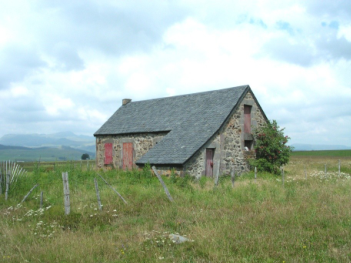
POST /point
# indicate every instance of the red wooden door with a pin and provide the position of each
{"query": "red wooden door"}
(209, 162)
(247, 120)
(108, 153)
(128, 155)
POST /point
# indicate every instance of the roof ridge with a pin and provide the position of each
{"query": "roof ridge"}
(191, 94)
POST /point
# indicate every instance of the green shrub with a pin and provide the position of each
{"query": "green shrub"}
(271, 149)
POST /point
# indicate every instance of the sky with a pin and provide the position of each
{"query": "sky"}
(67, 65)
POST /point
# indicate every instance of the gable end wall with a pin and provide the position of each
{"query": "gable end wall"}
(228, 143)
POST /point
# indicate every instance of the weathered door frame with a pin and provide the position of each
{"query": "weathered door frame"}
(127, 155)
(209, 159)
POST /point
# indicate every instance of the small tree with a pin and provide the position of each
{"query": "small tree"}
(85, 156)
(271, 149)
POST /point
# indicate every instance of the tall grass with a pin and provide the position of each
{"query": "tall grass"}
(258, 220)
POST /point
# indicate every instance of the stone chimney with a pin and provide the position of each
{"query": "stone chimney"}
(125, 101)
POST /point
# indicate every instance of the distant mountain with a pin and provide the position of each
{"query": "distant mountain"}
(51, 140)
(17, 153)
(318, 147)
(6, 147)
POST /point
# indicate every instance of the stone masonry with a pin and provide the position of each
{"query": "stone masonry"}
(142, 143)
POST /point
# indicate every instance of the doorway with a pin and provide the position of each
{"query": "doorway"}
(127, 155)
(209, 162)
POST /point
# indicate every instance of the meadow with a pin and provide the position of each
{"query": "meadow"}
(258, 220)
(326, 153)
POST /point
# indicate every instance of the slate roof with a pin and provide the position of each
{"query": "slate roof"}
(190, 119)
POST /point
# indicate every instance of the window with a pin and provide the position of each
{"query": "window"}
(248, 145)
(247, 119)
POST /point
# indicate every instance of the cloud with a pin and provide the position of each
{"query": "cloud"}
(336, 8)
(55, 33)
(66, 65)
(67, 57)
(112, 27)
(17, 63)
(333, 48)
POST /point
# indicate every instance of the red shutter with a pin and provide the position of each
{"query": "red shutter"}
(247, 120)
(128, 155)
(108, 153)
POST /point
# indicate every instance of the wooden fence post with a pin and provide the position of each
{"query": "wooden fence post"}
(232, 175)
(7, 186)
(112, 188)
(325, 169)
(30, 191)
(255, 172)
(97, 194)
(163, 184)
(0, 182)
(217, 173)
(41, 199)
(339, 167)
(283, 175)
(66, 193)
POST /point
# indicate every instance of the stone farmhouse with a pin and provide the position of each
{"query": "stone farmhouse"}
(199, 134)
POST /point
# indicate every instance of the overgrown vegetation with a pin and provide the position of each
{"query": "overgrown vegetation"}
(308, 220)
(271, 149)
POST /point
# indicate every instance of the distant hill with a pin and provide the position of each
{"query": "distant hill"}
(324, 153)
(319, 147)
(18, 153)
(70, 139)
(47, 147)
(6, 147)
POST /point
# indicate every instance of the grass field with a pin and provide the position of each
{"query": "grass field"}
(329, 153)
(307, 220)
(51, 166)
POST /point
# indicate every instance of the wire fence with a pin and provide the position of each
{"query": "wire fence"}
(83, 175)
(49, 166)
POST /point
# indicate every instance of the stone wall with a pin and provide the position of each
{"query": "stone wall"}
(142, 143)
(167, 170)
(228, 143)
